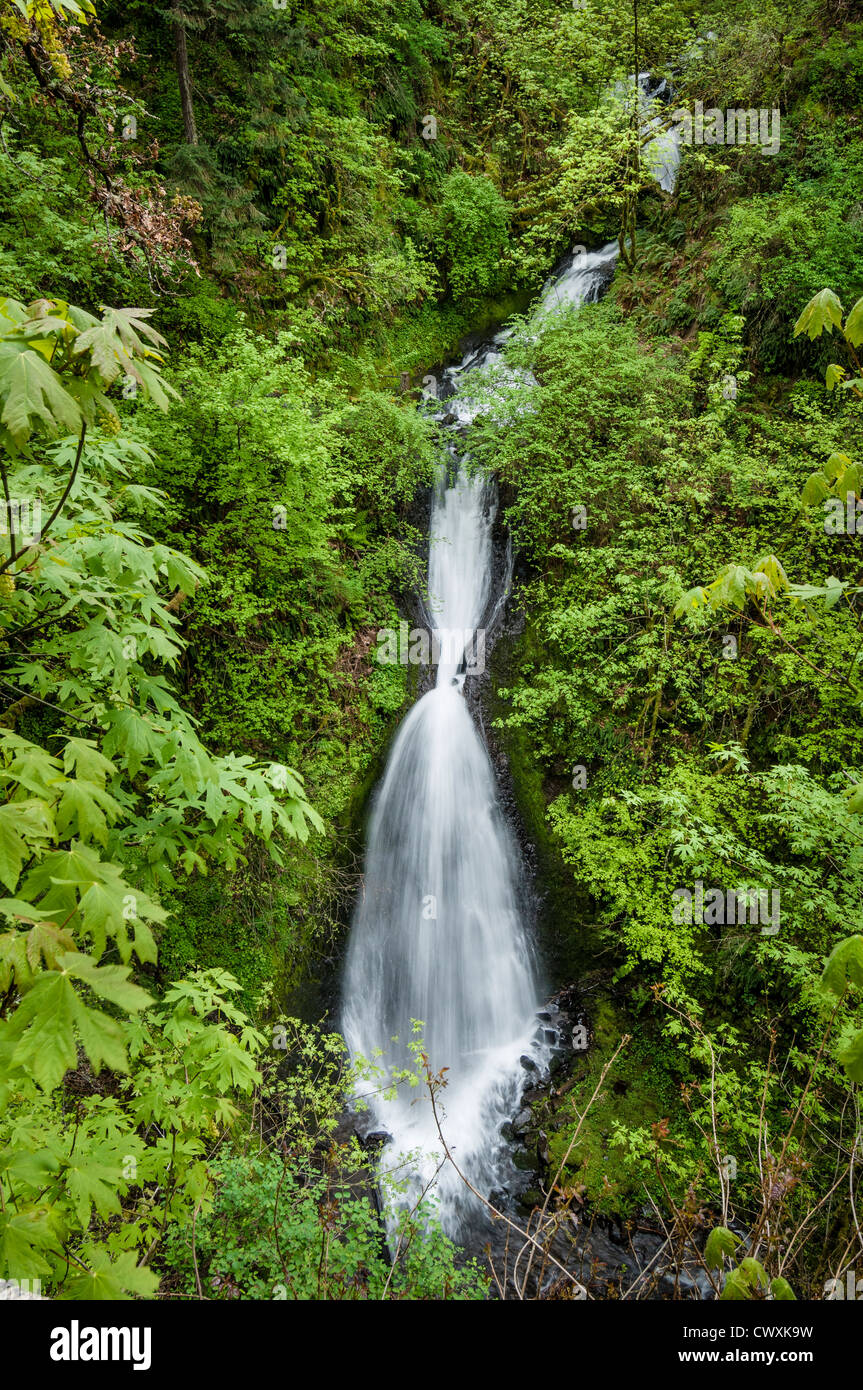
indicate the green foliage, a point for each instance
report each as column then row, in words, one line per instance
column 824, row 312
column 749, row 1278
column 295, row 1219
column 845, row 966
column 277, row 1234
column 720, row 1242
column 56, row 362
column 472, row 234
column 91, row 1179
column 837, row 477
column 283, row 484
column 735, row 586
column 129, row 790
column 623, row 466
column 777, row 247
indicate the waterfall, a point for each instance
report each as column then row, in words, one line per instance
column 438, row 933
column 662, row 151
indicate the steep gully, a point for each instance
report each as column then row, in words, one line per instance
column 440, row 932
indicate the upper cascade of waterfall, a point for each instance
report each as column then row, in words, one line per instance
column 459, row 587
column 660, row 151
column 580, row 279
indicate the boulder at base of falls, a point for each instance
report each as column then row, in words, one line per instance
column 528, row 1064
column 524, row 1161
column 377, row 1140
column 512, row 1130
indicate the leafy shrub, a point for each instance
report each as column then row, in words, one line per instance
column 472, row 235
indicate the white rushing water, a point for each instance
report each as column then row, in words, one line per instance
column 438, row 934
column 661, row 151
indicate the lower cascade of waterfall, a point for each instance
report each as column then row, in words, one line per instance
column 439, row 934
column 438, row 937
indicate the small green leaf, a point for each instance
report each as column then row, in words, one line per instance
column 720, row 1242
column 92, row 1184
column 824, row 310
column 12, row 848
column 23, row 1235
column 109, row 981
column 690, row 602
column 31, row 393
column 119, row 1279
column 834, row 376
column 781, row 1289
column 815, row 490
column 736, row 1288
column 850, row 1055
column 854, row 324
column 844, row 965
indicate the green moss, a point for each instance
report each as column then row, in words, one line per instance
column 638, row 1091
column 210, row 927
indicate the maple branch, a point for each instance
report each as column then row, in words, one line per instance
column 59, row 507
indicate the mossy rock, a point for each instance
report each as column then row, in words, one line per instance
column 639, row 1091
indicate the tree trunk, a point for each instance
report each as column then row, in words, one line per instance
column 181, row 55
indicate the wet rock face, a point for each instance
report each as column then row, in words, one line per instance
column 374, row 1142
column 564, row 1027
column 561, row 1022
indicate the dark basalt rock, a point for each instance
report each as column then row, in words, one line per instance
column 377, row 1140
